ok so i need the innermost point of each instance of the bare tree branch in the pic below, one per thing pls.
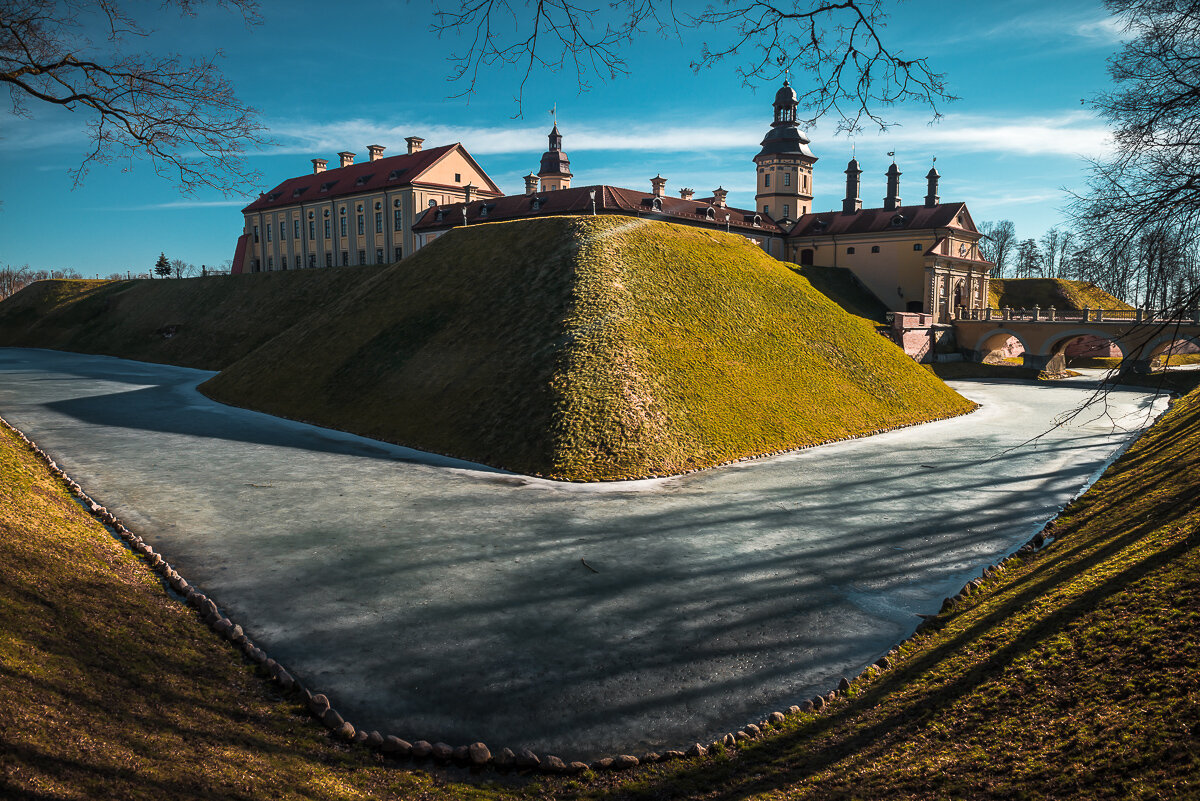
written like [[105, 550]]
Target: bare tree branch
[[835, 48], [183, 115]]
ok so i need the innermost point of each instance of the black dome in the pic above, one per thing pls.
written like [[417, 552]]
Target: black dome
[[785, 140], [786, 96]]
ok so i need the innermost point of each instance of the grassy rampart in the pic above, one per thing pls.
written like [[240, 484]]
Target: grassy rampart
[[588, 348], [1025, 293]]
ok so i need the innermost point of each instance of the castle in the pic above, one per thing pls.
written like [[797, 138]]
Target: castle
[[915, 258]]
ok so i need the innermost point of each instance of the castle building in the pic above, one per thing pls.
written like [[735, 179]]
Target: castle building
[[915, 258], [356, 213], [785, 164]]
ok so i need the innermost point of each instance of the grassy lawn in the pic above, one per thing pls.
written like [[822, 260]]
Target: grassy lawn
[[1025, 293], [589, 348]]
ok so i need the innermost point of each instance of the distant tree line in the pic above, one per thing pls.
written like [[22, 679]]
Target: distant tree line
[[14, 279], [1158, 267]]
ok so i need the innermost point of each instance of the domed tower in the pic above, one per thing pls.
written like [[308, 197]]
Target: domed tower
[[785, 163], [555, 172]]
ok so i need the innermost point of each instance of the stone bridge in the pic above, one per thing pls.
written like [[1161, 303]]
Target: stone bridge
[[1141, 334]]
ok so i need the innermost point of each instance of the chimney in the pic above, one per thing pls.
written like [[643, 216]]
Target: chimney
[[468, 190], [892, 201], [531, 182], [414, 144], [932, 198], [376, 151], [659, 184], [852, 202], [686, 194], [347, 158], [319, 165], [719, 197]]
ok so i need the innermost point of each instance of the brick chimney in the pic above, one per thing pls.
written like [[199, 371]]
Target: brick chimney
[[892, 201], [347, 158], [659, 185], [686, 194], [319, 165], [719, 197], [414, 144], [531, 183], [376, 151]]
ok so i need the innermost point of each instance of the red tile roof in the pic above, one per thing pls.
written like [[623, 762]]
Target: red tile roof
[[609, 200], [386, 173], [872, 221]]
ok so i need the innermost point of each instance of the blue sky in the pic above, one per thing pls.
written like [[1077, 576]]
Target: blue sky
[[374, 73]]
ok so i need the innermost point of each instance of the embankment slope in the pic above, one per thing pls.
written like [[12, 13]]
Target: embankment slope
[[207, 323], [1025, 293], [588, 348]]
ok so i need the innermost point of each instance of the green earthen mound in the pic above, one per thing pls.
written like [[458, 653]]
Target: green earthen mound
[[1064, 295], [206, 323], [587, 348]]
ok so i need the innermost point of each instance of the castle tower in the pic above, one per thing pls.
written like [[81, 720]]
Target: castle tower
[[931, 179], [555, 171], [852, 202], [785, 164], [892, 201]]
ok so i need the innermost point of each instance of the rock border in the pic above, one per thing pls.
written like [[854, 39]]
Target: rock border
[[477, 755]]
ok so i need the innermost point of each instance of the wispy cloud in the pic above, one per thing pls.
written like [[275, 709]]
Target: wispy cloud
[[1065, 29], [179, 204], [1066, 134]]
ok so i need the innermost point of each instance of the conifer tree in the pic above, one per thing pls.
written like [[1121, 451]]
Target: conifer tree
[[162, 266]]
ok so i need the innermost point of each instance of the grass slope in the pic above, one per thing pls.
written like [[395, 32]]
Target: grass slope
[[215, 320], [588, 348], [843, 288], [1025, 293]]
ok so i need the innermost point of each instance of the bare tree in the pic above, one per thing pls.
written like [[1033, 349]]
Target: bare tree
[[1056, 246], [14, 279], [997, 244], [1029, 259], [1152, 181], [180, 114], [850, 69]]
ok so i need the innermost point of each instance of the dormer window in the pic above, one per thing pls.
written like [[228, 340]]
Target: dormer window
[[437, 215], [483, 211], [898, 221], [656, 204], [325, 187], [710, 214], [394, 175], [362, 179], [299, 192], [757, 220]]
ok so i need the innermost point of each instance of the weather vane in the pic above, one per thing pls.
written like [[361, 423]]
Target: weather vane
[[554, 113]]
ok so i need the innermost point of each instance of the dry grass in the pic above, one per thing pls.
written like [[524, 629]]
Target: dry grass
[[1025, 293]]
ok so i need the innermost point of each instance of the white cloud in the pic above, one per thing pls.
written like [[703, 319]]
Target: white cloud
[[1066, 29], [179, 204], [1066, 134]]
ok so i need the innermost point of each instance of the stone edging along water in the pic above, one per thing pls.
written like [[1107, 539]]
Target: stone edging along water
[[476, 755]]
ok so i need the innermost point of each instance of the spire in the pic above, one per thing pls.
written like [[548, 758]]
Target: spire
[[931, 197], [892, 201], [555, 169], [852, 202]]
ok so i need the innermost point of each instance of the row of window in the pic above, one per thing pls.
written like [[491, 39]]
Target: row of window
[[297, 263], [397, 225], [787, 180]]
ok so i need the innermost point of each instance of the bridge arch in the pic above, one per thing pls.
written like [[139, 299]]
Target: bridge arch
[[1062, 340], [995, 339], [1057, 343], [1162, 344]]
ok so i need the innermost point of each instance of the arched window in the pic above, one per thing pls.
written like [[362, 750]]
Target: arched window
[[806, 257], [917, 246], [656, 204], [710, 214], [874, 248]]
